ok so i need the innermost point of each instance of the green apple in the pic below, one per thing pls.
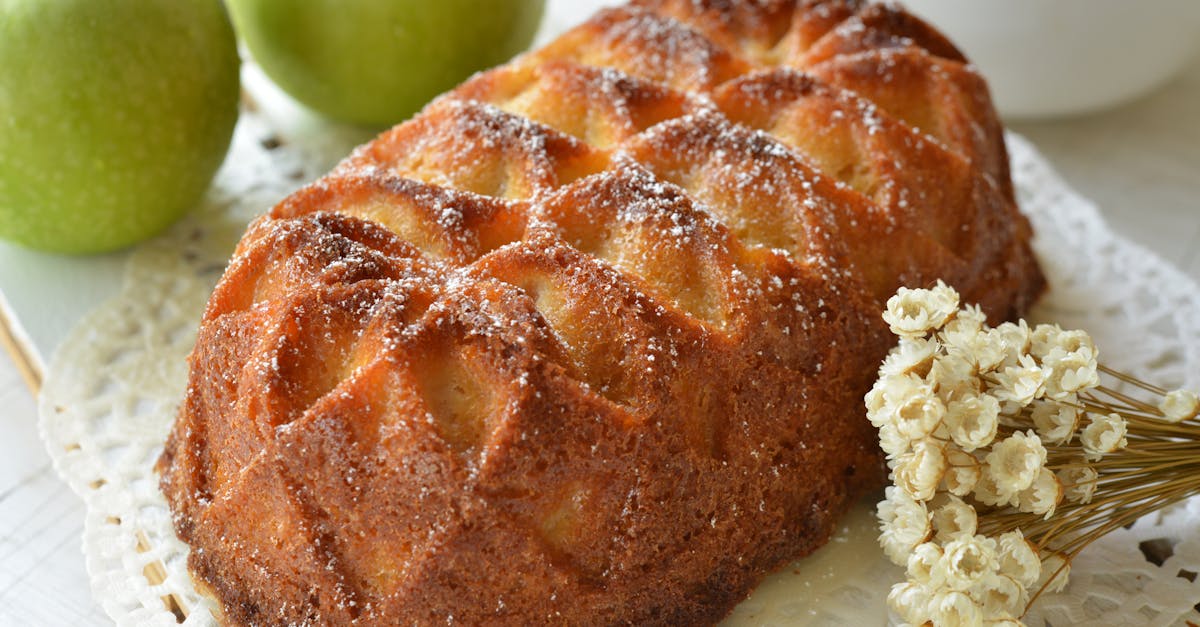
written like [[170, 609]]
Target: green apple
[[114, 115], [375, 62]]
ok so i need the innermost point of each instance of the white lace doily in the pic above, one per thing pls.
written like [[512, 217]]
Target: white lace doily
[[112, 390]]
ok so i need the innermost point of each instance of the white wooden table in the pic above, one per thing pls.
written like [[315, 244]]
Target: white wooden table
[[42, 579], [1140, 163]]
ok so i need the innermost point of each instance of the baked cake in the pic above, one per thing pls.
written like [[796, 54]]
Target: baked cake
[[586, 340]]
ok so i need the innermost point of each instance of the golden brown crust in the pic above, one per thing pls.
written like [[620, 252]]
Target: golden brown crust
[[585, 341]]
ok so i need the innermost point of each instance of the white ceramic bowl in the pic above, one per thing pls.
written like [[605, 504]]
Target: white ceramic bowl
[[1047, 58]]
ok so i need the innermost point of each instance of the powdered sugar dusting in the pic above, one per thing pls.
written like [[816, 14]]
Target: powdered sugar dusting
[[593, 339]]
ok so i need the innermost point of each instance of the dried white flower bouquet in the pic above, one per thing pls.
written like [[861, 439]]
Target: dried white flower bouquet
[[1008, 457]]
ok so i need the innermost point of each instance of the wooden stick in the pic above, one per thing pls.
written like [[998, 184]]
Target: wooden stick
[[26, 364], [156, 573]]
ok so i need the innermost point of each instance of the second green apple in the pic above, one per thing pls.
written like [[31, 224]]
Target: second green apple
[[376, 62]]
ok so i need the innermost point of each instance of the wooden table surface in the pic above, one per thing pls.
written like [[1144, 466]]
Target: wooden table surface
[[1140, 163]]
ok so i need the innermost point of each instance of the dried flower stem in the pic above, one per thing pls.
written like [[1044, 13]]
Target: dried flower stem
[[1149, 387]]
